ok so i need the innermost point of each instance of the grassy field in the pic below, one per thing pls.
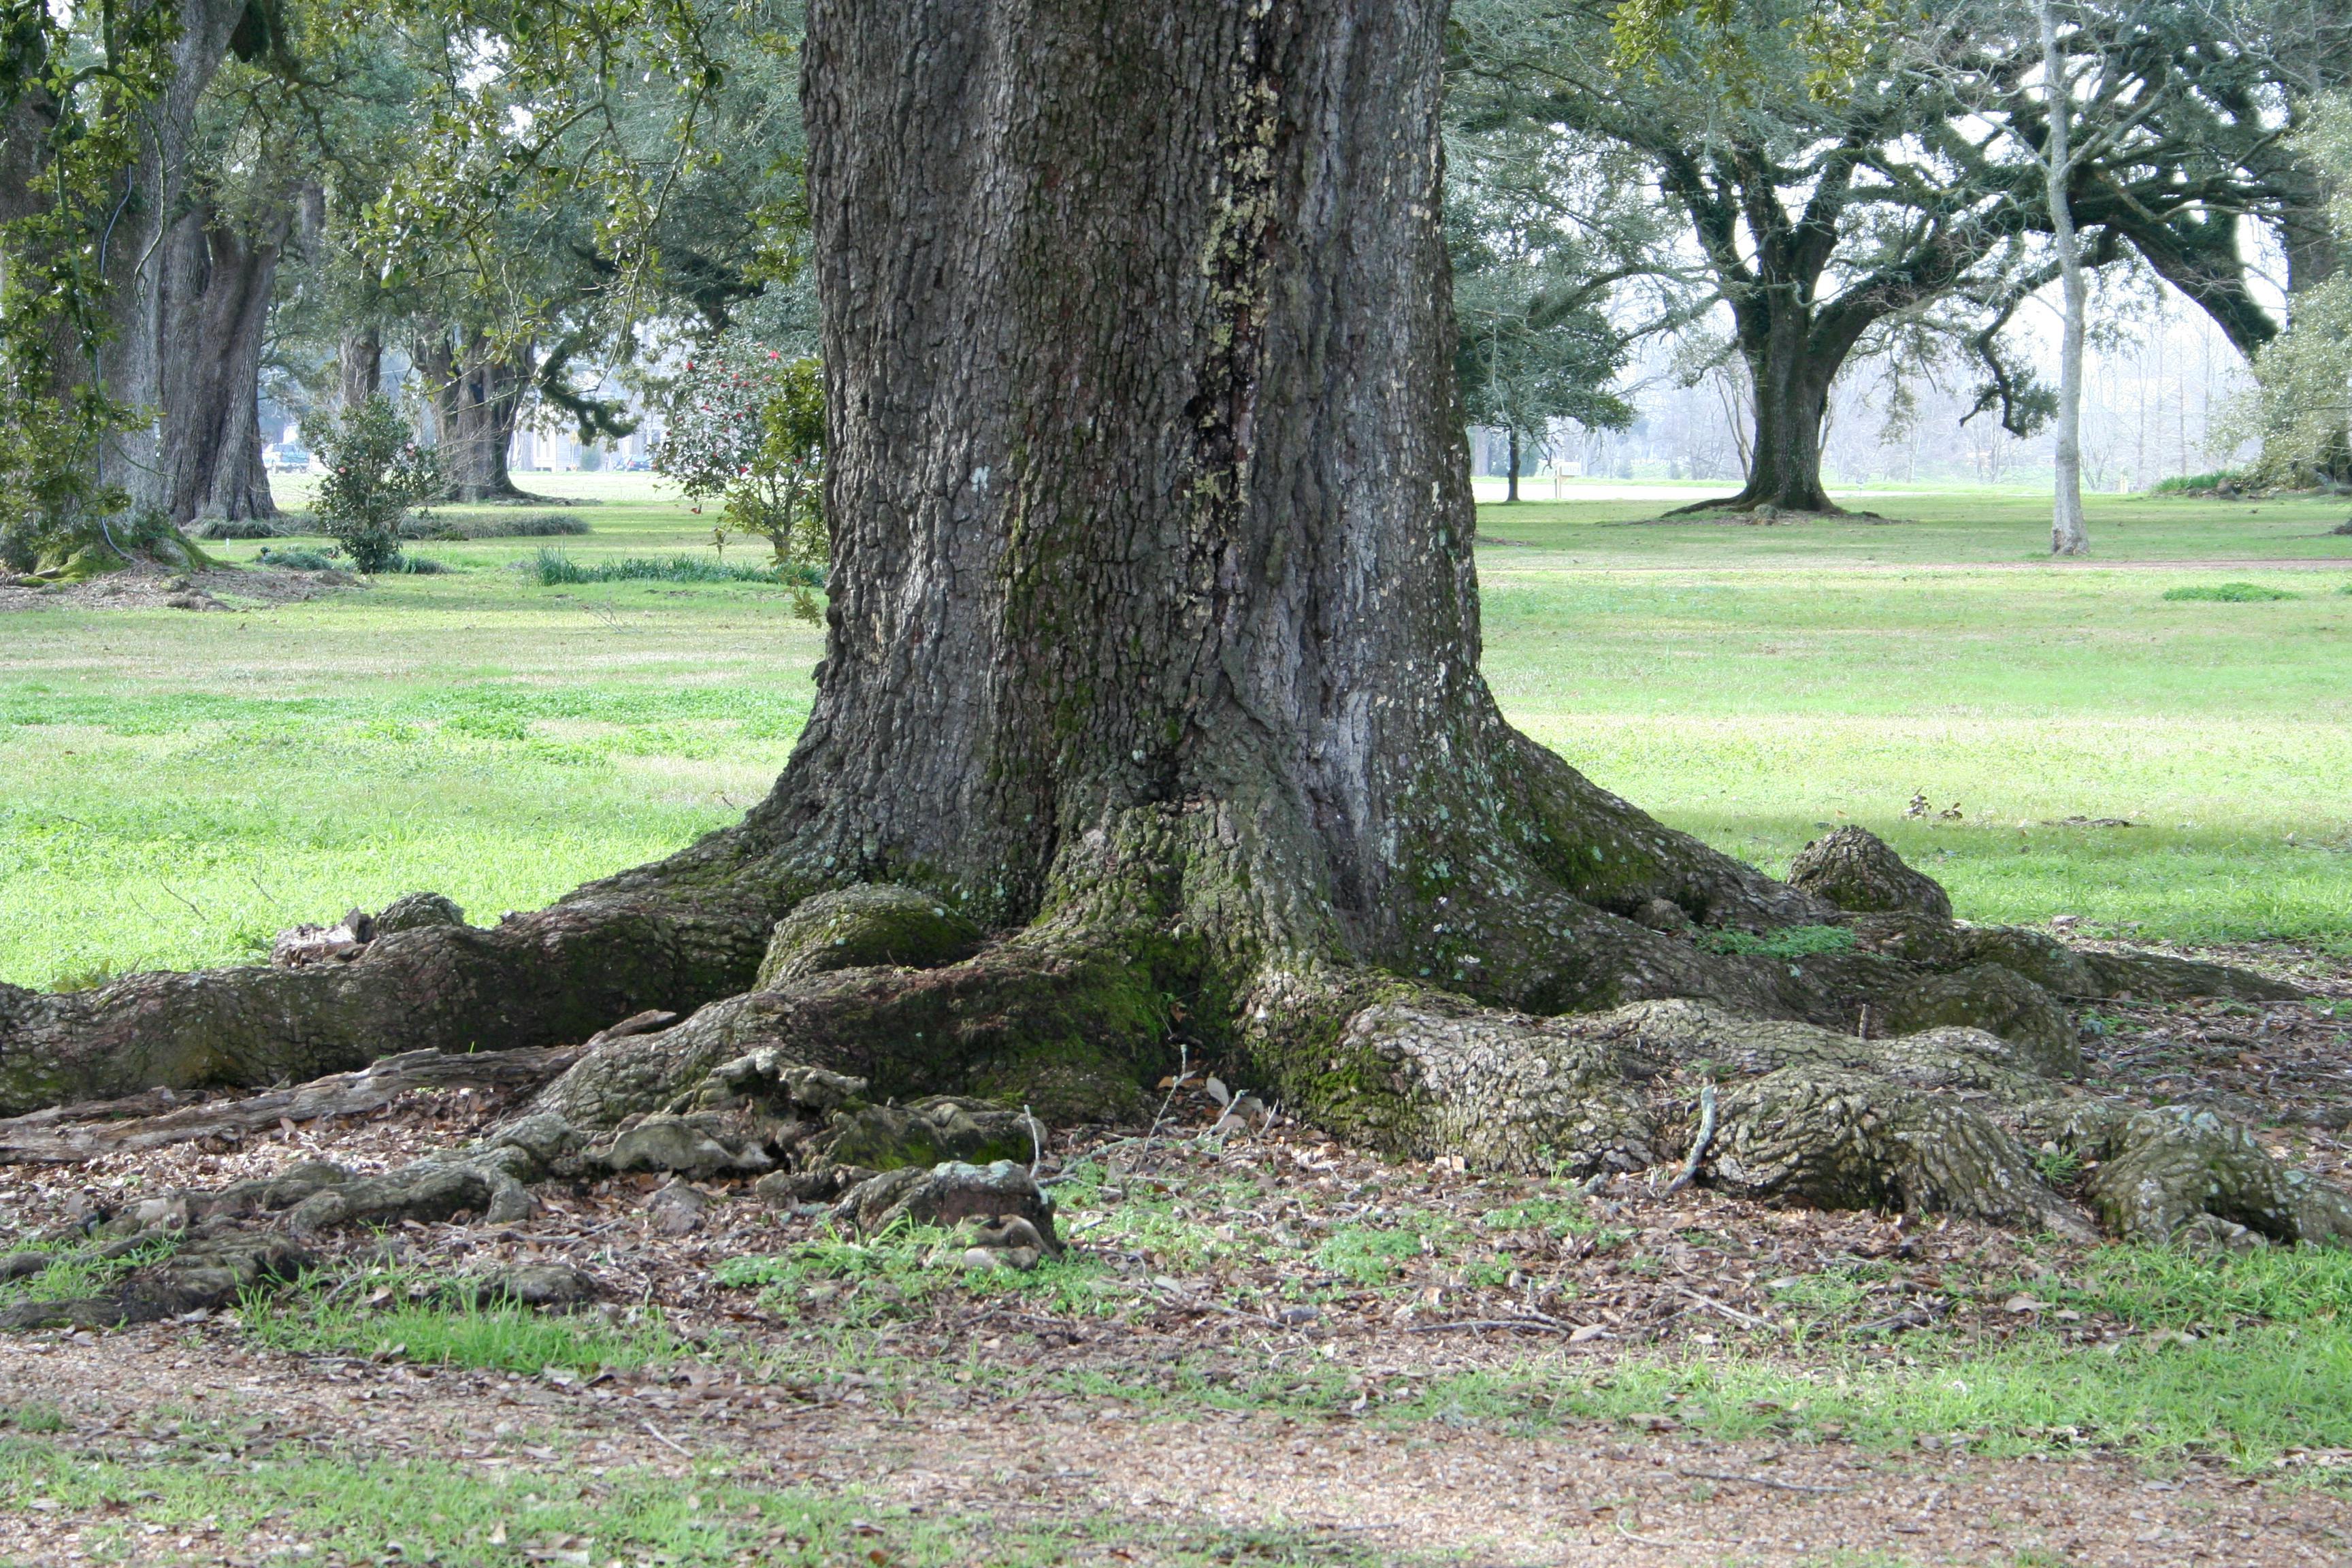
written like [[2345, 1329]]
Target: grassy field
[[175, 787]]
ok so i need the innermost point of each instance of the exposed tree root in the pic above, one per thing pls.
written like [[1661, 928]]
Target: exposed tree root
[[1910, 1063], [72, 1134], [672, 935]]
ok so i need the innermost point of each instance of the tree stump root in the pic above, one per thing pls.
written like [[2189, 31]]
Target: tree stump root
[[844, 1074]]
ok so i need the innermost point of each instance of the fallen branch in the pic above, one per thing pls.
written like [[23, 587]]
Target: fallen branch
[[1755, 1481], [1538, 1325], [73, 1133], [1698, 1145], [1734, 1313]]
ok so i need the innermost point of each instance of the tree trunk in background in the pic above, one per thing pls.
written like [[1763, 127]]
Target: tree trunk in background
[[1512, 492], [2312, 256], [2068, 535], [146, 272], [216, 322], [359, 366], [477, 400], [1789, 382]]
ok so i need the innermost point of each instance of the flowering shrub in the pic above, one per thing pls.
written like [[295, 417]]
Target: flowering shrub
[[375, 472], [747, 429]]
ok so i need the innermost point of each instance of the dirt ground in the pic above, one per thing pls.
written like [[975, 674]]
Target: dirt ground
[[147, 586], [1075, 1418]]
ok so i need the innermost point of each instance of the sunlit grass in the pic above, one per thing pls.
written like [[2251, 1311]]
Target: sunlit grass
[[174, 788]]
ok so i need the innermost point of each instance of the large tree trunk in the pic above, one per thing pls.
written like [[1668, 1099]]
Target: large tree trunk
[[1789, 379], [146, 272], [477, 398], [216, 322], [1151, 707], [359, 366]]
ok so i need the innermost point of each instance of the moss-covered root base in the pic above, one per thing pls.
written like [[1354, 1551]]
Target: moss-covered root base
[[1940, 1120], [1068, 1027]]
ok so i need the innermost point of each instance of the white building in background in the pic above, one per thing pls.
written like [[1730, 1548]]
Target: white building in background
[[546, 440]]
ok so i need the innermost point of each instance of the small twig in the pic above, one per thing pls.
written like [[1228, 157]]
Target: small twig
[[1734, 1313], [1036, 1147], [1184, 1071], [661, 1436], [1538, 1325], [1755, 1481], [1184, 1300], [192, 908], [1698, 1145]]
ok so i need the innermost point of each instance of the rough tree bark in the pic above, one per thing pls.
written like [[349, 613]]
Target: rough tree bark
[[477, 398], [216, 320], [1151, 711], [138, 359], [359, 366]]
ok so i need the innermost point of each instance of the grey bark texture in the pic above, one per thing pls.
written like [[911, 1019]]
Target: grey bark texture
[[359, 366], [146, 271], [2068, 533], [1151, 711], [476, 396], [217, 279]]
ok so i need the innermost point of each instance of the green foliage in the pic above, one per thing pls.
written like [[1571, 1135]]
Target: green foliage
[[242, 528], [2152, 1286], [296, 558], [405, 1313], [375, 473], [531, 525], [75, 98], [553, 568], [33, 1417], [81, 1272], [1528, 241], [1368, 1255], [2301, 404], [1788, 941], [2197, 484], [2229, 594], [747, 429], [899, 1273], [1555, 1216], [349, 1508]]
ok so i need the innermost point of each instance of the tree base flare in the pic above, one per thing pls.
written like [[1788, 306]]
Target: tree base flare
[[1884, 1058]]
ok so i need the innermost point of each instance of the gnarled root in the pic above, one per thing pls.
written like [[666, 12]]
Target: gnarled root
[[885, 1034], [670, 936]]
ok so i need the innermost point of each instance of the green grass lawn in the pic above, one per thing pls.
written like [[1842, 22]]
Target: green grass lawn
[[174, 787]]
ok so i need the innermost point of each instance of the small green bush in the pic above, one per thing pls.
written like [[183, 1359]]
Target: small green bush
[[375, 473], [418, 565], [296, 560], [554, 569], [2230, 593], [534, 525], [2198, 484], [241, 528]]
